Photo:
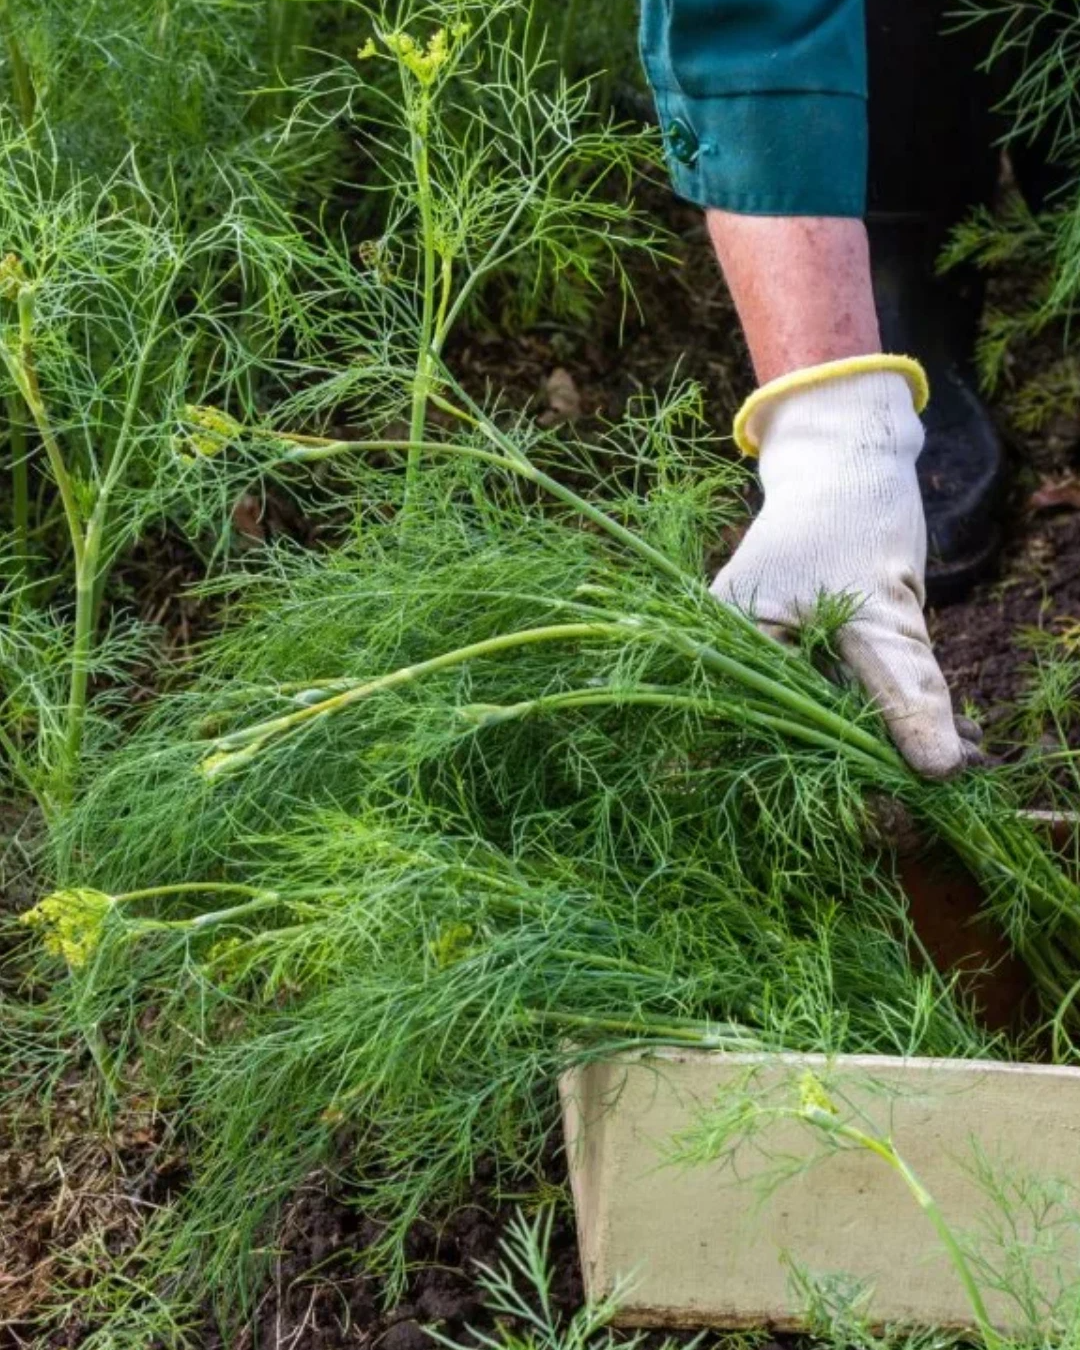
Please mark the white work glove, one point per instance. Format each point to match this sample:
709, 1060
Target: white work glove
843, 516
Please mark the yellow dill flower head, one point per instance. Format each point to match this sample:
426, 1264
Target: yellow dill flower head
224, 954
71, 923
206, 432
452, 944
425, 62
367, 51
12, 277
813, 1099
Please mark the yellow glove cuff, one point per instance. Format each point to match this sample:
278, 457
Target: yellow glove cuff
747, 430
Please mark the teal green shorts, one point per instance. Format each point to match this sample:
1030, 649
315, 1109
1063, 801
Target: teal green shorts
762, 103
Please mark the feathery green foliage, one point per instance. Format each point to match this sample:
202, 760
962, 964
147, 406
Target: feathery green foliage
114, 316
178, 83
1035, 43
492, 785
519, 1294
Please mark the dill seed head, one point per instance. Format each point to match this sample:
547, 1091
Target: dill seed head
71, 923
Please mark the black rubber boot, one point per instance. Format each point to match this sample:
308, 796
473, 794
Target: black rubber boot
933, 158
963, 469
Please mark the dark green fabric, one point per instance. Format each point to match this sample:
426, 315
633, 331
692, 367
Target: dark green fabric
762, 102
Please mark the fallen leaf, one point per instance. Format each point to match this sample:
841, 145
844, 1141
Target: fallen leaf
563, 398
247, 518
1050, 496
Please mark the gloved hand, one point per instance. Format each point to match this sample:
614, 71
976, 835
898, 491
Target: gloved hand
843, 516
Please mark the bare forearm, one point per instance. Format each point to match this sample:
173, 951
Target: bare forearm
801, 285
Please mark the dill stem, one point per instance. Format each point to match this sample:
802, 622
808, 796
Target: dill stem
886, 1150
85, 547
20, 486
845, 731
569, 35
266, 900
21, 78
932, 1210
24, 372
424, 356
311, 449
592, 698
675, 1029
567, 632
190, 888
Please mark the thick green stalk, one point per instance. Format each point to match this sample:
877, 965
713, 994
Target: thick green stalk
251, 739
82, 647
192, 888
569, 35
312, 449
281, 24
22, 370
825, 1120
211, 919
718, 1036
85, 546
20, 487
741, 712
422, 378
21, 78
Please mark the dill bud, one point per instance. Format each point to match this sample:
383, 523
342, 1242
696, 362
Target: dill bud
814, 1102
13, 280
205, 432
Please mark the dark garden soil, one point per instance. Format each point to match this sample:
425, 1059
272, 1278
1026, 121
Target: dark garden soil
82, 1185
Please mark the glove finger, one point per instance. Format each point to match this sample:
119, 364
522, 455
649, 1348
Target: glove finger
892, 659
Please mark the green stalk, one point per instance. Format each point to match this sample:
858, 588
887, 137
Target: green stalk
312, 449
192, 888
825, 729
20, 487
268, 900
82, 645
486, 714
280, 21
721, 1036
84, 547
569, 33
422, 378
21, 78
22, 370
18, 765
251, 739
823, 1118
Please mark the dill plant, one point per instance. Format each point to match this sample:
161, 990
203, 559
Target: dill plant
179, 83
492, 786
115, 315
1033, 49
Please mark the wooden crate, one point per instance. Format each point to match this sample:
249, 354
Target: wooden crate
703, 1246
